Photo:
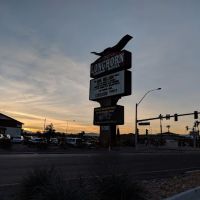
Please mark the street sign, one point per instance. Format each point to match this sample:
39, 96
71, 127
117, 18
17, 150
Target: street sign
115, 84
144, 123
109, 115
111, 63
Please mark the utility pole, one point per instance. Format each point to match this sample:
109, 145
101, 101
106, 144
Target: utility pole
161, 124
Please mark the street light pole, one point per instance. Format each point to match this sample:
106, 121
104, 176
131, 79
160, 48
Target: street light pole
67, 129
136, 114
136, 128
44, 124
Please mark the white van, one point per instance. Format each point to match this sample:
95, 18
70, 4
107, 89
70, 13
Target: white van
73, 141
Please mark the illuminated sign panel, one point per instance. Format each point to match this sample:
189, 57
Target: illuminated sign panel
109, 115
116, 84
111, 63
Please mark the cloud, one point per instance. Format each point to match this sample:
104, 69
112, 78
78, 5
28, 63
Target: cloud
44, 46
52, 85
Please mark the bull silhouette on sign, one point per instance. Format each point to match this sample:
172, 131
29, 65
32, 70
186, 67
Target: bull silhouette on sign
118, 47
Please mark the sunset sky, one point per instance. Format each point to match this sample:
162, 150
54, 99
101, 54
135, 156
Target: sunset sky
45, 59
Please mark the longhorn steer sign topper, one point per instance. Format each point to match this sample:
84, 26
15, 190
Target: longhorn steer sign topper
118, 47
112, 59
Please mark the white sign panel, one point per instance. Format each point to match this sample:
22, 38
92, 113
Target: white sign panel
106, 86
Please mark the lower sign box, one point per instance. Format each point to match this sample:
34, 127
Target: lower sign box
109, 115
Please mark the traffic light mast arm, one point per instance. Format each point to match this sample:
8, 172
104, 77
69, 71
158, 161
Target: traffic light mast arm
141, 120
163, 117
184, 114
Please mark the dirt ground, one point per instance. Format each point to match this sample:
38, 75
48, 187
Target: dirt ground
163, 188
156, 189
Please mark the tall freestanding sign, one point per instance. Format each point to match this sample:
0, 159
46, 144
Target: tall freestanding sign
111, 81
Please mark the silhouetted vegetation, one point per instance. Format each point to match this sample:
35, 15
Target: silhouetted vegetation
5, 143
49, 184
117, 187
49, 132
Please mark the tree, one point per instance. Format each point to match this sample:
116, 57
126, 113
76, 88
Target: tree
49, 131
81, 134
38, 133
168, 127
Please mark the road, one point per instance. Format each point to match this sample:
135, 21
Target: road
138, 165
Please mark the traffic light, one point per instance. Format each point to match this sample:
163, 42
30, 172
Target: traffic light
176, 117
195, 114
167, 117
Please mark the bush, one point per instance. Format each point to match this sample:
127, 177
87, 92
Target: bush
46, 184
5, 143
116, 187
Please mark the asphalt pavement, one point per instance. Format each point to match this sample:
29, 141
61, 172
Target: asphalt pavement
140, 165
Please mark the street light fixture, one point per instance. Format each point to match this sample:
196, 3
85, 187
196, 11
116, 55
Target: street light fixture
136, 112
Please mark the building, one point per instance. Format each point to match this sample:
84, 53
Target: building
10, 126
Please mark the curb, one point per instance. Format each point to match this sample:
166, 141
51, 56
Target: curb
192, 194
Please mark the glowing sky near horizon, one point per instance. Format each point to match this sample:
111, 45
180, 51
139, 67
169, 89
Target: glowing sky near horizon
45, 59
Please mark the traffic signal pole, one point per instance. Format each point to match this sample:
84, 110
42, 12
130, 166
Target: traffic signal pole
161, 126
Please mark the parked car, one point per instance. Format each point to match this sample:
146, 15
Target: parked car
54, 141
90, 145
16, 140
41, 143
76, 142
36, 140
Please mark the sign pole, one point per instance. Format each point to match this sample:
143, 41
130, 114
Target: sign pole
111, 129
